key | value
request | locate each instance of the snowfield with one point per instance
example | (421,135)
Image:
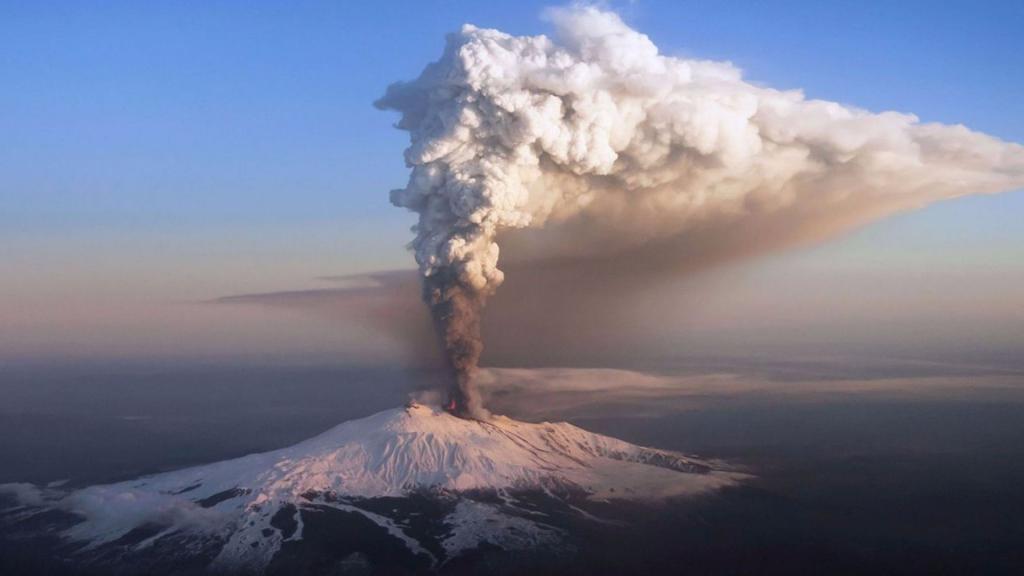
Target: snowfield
(244,503)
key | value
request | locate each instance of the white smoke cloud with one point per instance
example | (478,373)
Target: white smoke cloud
(513,132)
(607,146)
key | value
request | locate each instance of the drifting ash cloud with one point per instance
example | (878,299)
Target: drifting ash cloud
(593,146)
(580,393)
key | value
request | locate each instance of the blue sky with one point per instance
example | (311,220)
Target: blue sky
(235,143)
(195,113)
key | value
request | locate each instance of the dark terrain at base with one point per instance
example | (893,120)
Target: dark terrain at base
(848,486)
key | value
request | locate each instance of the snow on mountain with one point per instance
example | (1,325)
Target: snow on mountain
(245,502)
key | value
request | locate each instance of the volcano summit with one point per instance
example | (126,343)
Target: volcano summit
(414,484)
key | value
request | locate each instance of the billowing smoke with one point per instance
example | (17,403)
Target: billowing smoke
(603,147)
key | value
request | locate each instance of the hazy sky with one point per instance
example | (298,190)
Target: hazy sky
(157,155)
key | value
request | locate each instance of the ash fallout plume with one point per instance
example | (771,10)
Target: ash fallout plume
(599,146)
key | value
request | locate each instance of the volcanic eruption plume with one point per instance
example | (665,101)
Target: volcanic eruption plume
(601,147)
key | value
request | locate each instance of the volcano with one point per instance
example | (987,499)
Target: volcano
(413,484)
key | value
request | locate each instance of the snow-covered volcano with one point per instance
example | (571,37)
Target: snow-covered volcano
(476,473)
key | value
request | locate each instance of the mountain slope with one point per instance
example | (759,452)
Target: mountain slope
(240,512)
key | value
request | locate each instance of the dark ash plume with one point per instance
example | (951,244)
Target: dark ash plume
(455,310)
